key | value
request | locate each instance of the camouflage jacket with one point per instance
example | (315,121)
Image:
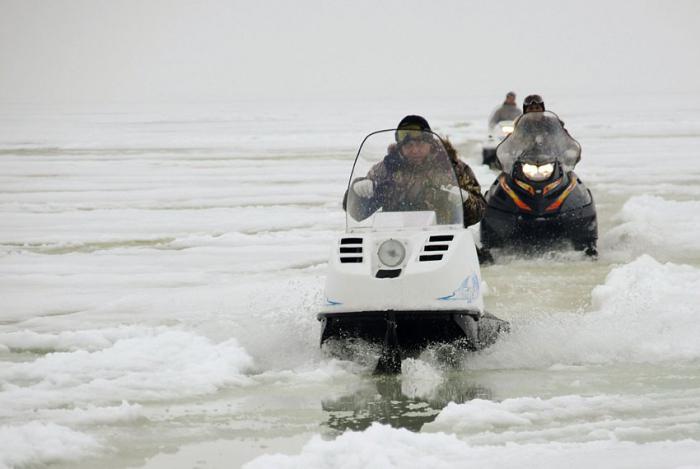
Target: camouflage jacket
(400,187)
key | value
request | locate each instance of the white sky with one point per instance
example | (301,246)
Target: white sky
(93,50)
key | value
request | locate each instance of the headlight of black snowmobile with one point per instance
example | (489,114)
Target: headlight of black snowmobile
(538,173)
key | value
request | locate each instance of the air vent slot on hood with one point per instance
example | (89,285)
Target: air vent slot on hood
(430,257)
(350,250)
(350,260)
(436,247)
(440,238)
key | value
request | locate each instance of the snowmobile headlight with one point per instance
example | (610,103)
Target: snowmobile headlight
(507,129)
(391,253)
(538,173)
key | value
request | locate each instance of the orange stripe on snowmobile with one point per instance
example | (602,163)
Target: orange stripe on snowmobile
(520,204)
(560,200)
(551,186)
(530,190)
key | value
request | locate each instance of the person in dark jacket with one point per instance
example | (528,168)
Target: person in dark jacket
(415,174)
(533,103)
(508,111)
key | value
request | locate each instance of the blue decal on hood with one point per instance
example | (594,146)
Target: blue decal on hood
(468,290)
(330,302)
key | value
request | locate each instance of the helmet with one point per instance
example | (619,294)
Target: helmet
(532,99)
(411,126)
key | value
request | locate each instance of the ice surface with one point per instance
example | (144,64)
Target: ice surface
(653,224)
(386,447)
(572,418)
(37,443)
(147,367)
(93,381)
(646,312)
(160,271)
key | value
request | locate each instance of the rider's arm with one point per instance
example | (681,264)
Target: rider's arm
(368,201)
(475,204)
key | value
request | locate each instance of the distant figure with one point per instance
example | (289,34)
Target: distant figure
(508,111)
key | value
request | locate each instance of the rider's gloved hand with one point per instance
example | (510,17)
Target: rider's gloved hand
(456,195)
(364,188)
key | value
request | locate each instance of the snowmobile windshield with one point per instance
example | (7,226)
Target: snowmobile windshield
(538,138)
(403,179)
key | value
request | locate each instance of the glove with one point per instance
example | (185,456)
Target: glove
(364,188)
(456,195)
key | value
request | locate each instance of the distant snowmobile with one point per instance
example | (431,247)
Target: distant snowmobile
(538,200)
(405,274)
(496,135)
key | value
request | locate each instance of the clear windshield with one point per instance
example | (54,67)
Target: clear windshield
(401,185)
(539,138)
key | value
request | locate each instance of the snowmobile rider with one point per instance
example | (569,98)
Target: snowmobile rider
(411,168)
(508,111)
(533,103)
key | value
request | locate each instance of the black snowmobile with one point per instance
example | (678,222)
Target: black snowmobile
(538,201)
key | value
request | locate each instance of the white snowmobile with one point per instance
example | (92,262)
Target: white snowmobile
(406,273)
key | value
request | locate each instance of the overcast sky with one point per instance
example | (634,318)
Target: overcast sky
(94,50)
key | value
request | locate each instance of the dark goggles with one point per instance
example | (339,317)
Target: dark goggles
(416,134)
(533,99)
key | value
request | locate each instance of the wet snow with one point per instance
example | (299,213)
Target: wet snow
(160,270)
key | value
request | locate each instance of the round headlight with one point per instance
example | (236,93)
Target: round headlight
(391,253)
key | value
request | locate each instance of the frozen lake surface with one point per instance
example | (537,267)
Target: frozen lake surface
(160,272)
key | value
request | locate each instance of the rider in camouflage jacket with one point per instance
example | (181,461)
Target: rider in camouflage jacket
(400,185)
